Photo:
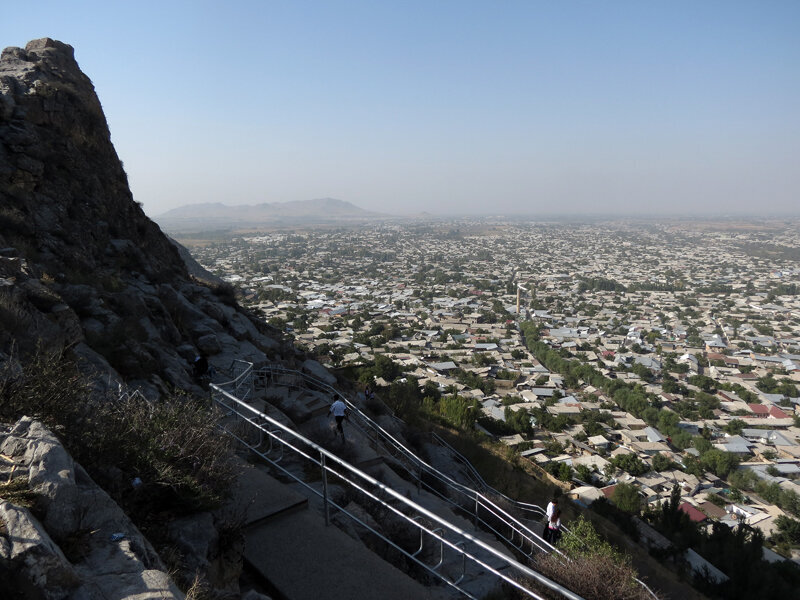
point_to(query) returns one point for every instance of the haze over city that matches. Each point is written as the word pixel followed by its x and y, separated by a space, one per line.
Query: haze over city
pixel 446 107
pixel 580 393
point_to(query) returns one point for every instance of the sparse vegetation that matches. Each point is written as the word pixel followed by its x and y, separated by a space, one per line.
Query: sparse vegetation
pixel 171 445
pixel 17 492
pixel 594 569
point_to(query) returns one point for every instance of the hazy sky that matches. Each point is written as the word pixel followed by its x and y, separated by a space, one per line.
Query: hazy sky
pixel 445 106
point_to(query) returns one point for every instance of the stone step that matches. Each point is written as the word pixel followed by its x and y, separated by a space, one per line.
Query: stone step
pixel 317 406
pixel 300 405
pixel 260 496
pixel 369 464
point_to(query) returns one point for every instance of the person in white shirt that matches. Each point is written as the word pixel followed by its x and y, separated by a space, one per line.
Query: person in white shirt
pixel 552 532
pixel 339 411
pixel 551 507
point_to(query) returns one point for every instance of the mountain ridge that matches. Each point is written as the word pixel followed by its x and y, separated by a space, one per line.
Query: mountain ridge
pixel 216 215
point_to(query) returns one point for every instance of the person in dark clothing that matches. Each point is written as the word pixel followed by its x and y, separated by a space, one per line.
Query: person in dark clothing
pixel 200 366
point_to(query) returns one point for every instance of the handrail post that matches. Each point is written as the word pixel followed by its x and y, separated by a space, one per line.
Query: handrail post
pixel 477 507
pixel 325 489
pixel 462 544
pixel 362 482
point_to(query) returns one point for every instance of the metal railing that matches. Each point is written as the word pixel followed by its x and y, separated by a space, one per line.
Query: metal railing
pixel 481 509
pixel 449 538
pixel 484 511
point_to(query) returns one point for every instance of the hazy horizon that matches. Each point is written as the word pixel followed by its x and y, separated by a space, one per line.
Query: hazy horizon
pixel 622 108
pixel 793 213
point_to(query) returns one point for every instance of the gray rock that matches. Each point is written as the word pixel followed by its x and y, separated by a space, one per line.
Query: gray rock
pixel 33 556
pixel 13 446
pixel 116 561
pixel 92 327
pixel 318 371
pixel 254 595
pixel 243 328
pixel 195 536
pixel 209 344
pixel 143 584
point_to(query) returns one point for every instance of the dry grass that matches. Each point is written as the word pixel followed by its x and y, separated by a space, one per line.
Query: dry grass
pixel 199 589
pixel 592 577
pixel 18 493
pixel 173 445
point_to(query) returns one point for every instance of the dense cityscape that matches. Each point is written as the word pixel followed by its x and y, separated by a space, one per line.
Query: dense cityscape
pixel 424 300
pixel 620 358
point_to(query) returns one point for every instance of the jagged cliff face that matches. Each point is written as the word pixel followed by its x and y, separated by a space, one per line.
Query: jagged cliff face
pixel 84 271
pixel 81 266
pixel 65 196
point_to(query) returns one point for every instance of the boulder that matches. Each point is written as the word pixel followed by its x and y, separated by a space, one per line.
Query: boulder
pixel 318 371
pixel 30 558
pixel 208 344
pixel 109 557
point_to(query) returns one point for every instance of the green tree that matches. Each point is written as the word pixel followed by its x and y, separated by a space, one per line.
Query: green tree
pixel 431 390
pixel 789 528
pixel 564 472
pixel 386 368
pixel 630 463
pixel 668 422
pixel 719 462
pixel 661 462
pixel 584 473
pixel 682 440
pixel 626 497
pixel 702 445
pixel 459 411
pixel 735 426
pixel 518 420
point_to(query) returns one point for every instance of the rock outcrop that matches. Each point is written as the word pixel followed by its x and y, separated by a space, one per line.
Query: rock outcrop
pixel 81 266
pixel 84 272
pixel 79 544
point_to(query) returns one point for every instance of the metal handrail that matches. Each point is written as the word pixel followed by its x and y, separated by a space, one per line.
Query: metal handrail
pixel 419 466
pixel 371 488
pixel 470 498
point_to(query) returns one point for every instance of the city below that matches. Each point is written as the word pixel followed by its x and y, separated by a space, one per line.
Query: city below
pixel 609 354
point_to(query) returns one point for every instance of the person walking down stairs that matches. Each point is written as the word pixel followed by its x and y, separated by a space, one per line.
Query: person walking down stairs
pixel 552 532
pixel 339 412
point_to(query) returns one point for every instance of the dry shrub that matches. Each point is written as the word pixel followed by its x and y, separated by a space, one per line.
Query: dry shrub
pixel 173 445
pixel 593 568
pixel 43 385
pixel 16 491
pixel 592 577
pixel 199 589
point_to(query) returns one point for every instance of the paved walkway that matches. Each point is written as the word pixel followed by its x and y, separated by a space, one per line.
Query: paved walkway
pixel 303 559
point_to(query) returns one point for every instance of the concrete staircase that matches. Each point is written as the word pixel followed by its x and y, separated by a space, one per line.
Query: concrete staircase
pixel 290 546
pixel 300 404
pixel 301 559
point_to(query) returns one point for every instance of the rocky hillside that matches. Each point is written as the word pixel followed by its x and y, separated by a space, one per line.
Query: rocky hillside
pixel 82 267
pixel 94 292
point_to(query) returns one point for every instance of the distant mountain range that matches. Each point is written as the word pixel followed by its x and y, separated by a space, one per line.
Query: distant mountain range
pixel 216 216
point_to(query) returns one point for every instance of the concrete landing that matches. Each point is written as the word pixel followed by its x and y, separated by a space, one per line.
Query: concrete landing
pixel 259 496
pixel 305 560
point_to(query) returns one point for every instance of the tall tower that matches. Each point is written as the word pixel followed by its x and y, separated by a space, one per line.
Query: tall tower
pixel 519 289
